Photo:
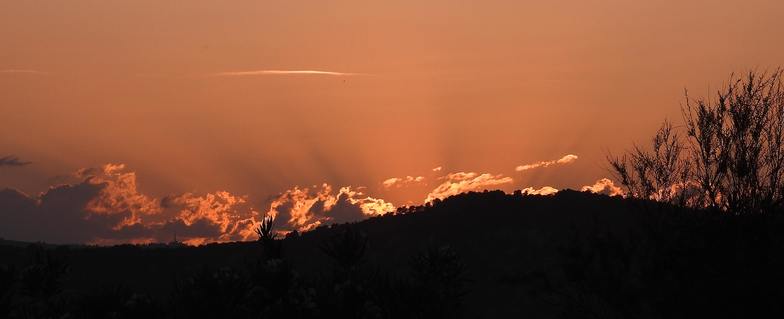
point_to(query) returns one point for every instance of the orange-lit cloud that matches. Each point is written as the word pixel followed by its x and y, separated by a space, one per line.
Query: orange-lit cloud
pixel 546 190
pixel 566 159
pixel 118 195
pixel 461 182
pixel 603 186
pixel 370 206
pixel 309 207
pixel 688 193
pixel 227 214
pixel 284 72
pixel 402 181
pixel 437 169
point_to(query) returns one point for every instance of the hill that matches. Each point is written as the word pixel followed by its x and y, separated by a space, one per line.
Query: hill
pixel 485 255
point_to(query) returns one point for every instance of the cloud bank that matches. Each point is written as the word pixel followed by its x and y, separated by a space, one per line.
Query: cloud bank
pixel 105 207
pixel 566 159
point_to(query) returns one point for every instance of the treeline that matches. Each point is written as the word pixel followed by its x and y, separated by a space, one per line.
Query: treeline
pixel 570 255
pixel 268 286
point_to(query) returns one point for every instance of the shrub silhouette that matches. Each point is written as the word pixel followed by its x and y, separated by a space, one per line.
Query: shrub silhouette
pixel 42 279
pixel 268 238
pixel 34 291
pixel 116 302
pixel 210 293
pixel 347 250
pixel 733 156
pixel 653 174
pixel 439 276
pixel 7 289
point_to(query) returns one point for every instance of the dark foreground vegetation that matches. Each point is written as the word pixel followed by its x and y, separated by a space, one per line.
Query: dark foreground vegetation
pixel 490 254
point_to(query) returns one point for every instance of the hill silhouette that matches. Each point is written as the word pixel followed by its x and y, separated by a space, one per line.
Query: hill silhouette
pixel 488 255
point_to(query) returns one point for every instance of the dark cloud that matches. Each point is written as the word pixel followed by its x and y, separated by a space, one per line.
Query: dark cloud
pixel 199 228
pixel 12 161
pixel 106 208
pixel 58 215
pixel 344 210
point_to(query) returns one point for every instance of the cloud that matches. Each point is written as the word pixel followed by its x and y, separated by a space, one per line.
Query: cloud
pixel 603 186
pixel 688 193
pixel 402 181
pixel 12 161
pixel 22 71
pixel 566 159
pixel 437 169
pixel 309 207
pixel 219 216
pixel 283 72
pixel 461 182
pixel 546 190
pixel 105 207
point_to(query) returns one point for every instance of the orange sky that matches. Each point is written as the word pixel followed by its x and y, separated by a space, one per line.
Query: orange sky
pixel 471 86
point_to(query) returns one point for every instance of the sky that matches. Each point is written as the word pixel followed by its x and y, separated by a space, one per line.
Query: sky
pixel 133 120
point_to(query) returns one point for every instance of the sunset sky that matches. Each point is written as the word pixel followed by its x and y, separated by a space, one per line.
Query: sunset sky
pixel 132 120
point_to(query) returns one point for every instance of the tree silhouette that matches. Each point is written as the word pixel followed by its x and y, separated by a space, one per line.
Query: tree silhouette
pixel 347 250
pixel 733 157
pixel 7 288
pixel 268 238
pixel 439 277
pixel 657 174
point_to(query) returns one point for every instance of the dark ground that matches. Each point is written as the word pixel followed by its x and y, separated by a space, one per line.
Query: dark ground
pixel 487 255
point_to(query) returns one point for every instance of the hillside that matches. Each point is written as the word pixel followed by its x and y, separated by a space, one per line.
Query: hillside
pixel 571 254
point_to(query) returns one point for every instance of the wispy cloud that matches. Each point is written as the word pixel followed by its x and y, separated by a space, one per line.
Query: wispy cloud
pixel 461 182
pixel 22 71
pixel 284 72
pixel 12 161
pixel 566 159
pixel 402 181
